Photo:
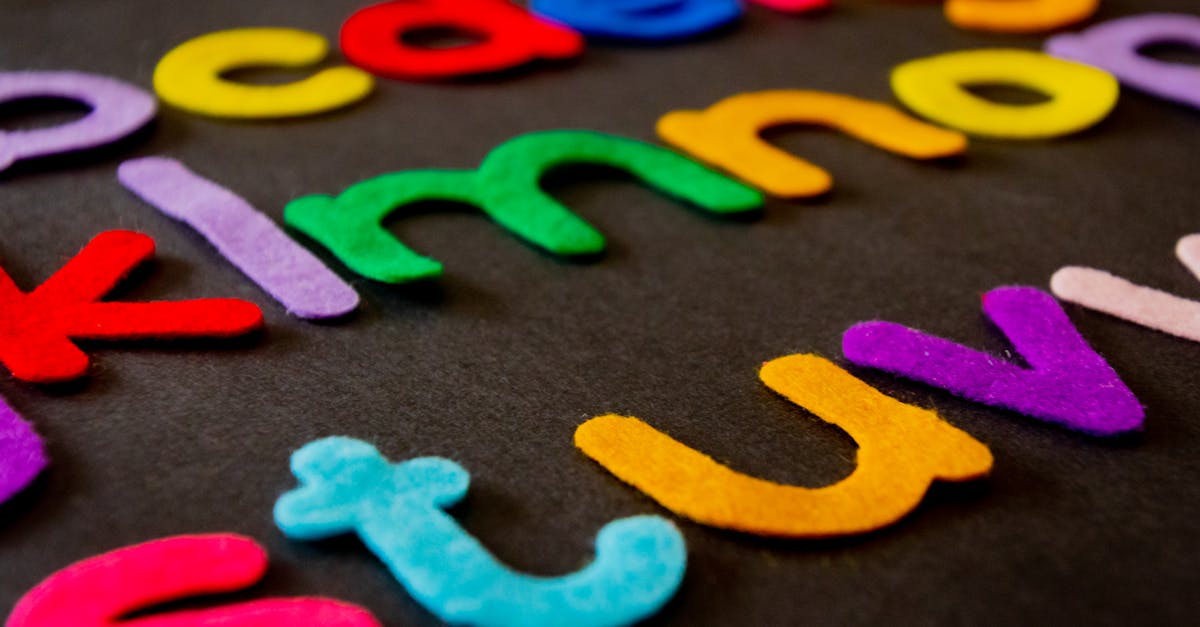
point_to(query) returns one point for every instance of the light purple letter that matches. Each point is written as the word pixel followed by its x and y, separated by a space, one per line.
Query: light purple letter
pixel 118 109
pixel 1114 45
pixel 246 237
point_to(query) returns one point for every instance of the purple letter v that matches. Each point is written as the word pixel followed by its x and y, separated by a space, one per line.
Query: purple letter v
pixel 1067 382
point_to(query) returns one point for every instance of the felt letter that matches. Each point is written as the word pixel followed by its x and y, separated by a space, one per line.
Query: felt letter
pixel 1067 382
pixel 99 591
pixel 347 486
pixel 1080 95
pixel 118 109
pixel 794 6
pixel 37 327
pixel 22 454
pixel 247 238
pixel 1114 45
pixel 902 450
pixel 727 136
pixel 189 77
pixel 506 188
pixel 645 20
pixel 510 37
pixel 1099 290
pixel 1018 16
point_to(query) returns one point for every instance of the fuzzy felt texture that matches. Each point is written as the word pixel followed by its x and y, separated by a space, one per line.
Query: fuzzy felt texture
pixel 22 454
pixel 36 328
pixel 794 6
pixel 641 20
pixel 509 37
pixel 1067 382
pixel 189 77
pixel 902 450
pixel 118 109
pixel 243 235
pixel 1187 250
pixel 506 187
pixel 727 135
pixel 1113 46
pixel 347 486
pixel 1080 95
pixel 1115 296
pixel 1018 16
pixel 99 591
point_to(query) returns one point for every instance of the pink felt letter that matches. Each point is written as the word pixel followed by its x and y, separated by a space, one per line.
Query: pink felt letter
pixel 98 591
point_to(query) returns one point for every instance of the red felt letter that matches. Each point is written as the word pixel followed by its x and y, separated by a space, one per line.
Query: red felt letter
pixel 509 36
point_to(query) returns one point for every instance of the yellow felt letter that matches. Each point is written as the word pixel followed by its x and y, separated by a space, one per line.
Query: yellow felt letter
pixel 1018 16
pixel 727 135
pixel 189 77
pixel 902 449
pixel 1080 95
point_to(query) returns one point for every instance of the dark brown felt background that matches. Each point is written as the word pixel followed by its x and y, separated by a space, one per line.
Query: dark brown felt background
pixel 496 364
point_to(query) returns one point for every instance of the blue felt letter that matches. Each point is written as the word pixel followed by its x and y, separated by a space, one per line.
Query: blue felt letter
pixel 346 485
pixel 647 20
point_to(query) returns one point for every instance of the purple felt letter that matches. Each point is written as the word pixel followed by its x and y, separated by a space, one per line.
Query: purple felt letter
pixel 1067 383
pixel 118 109
pixel 1113 46
pixel 246 237
pixel 22 456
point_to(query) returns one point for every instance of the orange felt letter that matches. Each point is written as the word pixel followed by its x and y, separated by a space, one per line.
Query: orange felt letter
pixel 727 135
pixel 1018 16
pixel 902 449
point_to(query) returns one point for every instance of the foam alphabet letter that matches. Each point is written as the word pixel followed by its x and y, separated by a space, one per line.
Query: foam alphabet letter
pixel 247 238
pixel 37 327
pixel 1114 46
pixel 1018 16
pixel 118 109
pixel 645 20
pixel 506 188
pixel 901 451
pixel 189 77
pixel 22 454
pixel 1099 290
pixel 347 486
pixel 100 591
pixel 727 135
pixel 1067 382
pixel 509 37
pixel 1080 95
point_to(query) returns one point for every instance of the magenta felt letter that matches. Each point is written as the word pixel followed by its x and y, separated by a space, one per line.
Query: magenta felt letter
pixel 1067 382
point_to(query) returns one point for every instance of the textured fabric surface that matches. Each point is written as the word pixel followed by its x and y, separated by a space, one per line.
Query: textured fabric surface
pixel 116 109
pixel 37 328
pixel 247 238
pixel 727 135
pixel 935 88
pixel 503 37
pixel 101 590
pixel 22 453
pixel 1066 381
pixel 641 20
pixel 348 486
pixel 498 362
pixel 1115 46
pixel 190 76
pixel 1019 16
pixel 507 188
pixel 901 450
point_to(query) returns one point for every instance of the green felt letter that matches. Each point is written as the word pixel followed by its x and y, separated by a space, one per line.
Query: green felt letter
pixel 506 187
